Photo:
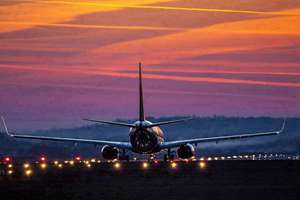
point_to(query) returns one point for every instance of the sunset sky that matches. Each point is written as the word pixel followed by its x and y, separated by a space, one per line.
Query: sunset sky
pixel 61 61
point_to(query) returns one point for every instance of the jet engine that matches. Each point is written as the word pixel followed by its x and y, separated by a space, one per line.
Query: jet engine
pixel 186 151
pixel 109 152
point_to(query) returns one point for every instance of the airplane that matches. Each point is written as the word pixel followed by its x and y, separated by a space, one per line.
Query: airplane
pixel 145 137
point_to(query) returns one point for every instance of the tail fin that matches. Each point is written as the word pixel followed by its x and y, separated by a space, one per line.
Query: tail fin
pixel 141 114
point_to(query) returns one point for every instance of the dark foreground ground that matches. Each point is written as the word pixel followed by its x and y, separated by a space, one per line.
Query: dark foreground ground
pixel 218 180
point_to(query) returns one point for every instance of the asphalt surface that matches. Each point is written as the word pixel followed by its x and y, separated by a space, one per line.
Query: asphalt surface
pixel 213 180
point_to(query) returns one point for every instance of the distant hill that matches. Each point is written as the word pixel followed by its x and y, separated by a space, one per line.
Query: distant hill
pixel 288 142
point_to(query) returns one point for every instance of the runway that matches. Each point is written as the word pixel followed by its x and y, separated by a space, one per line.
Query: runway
pixel 215 179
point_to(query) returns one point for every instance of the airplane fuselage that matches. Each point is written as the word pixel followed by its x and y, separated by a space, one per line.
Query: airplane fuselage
pixel 145 139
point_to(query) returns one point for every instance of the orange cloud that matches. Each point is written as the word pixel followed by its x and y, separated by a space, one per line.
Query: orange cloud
pixel 238 36
pixel 147 28
pixel 123 4
pixel 39 12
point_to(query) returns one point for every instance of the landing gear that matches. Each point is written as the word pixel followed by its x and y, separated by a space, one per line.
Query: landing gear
pixel 169 156
pixel 123 156
pixel 151 158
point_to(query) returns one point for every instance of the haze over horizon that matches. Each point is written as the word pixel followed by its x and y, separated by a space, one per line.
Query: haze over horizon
pixel 61 61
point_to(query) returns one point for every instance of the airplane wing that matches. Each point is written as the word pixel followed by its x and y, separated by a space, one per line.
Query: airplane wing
pixel 121 145
pixel 177 143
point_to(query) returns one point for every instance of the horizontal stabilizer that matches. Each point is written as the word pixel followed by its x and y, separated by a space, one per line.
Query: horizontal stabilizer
pixel 110 122
pixel 170 122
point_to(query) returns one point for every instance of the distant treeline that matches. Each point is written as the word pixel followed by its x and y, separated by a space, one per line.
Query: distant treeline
pixel 288 142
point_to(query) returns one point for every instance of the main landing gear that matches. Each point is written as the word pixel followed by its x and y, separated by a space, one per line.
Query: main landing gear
pixel 169 156
pixel 123 156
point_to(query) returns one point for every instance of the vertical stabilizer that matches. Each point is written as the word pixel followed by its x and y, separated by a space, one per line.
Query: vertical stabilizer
pixel 142 114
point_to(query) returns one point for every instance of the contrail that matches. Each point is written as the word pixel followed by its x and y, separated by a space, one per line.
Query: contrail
pixel 118 5
pixel 93 26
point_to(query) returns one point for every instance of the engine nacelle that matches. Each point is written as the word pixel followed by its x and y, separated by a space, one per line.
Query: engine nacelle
pixel 186 151
pixel 109 153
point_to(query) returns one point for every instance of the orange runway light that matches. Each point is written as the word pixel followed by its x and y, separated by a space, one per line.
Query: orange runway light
pixel 10 172
pixel 145 165
pixel 173 165
pixel 26 165
pixel 202 165
pixel 28 172
pixel 117 165
pixel 43 166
